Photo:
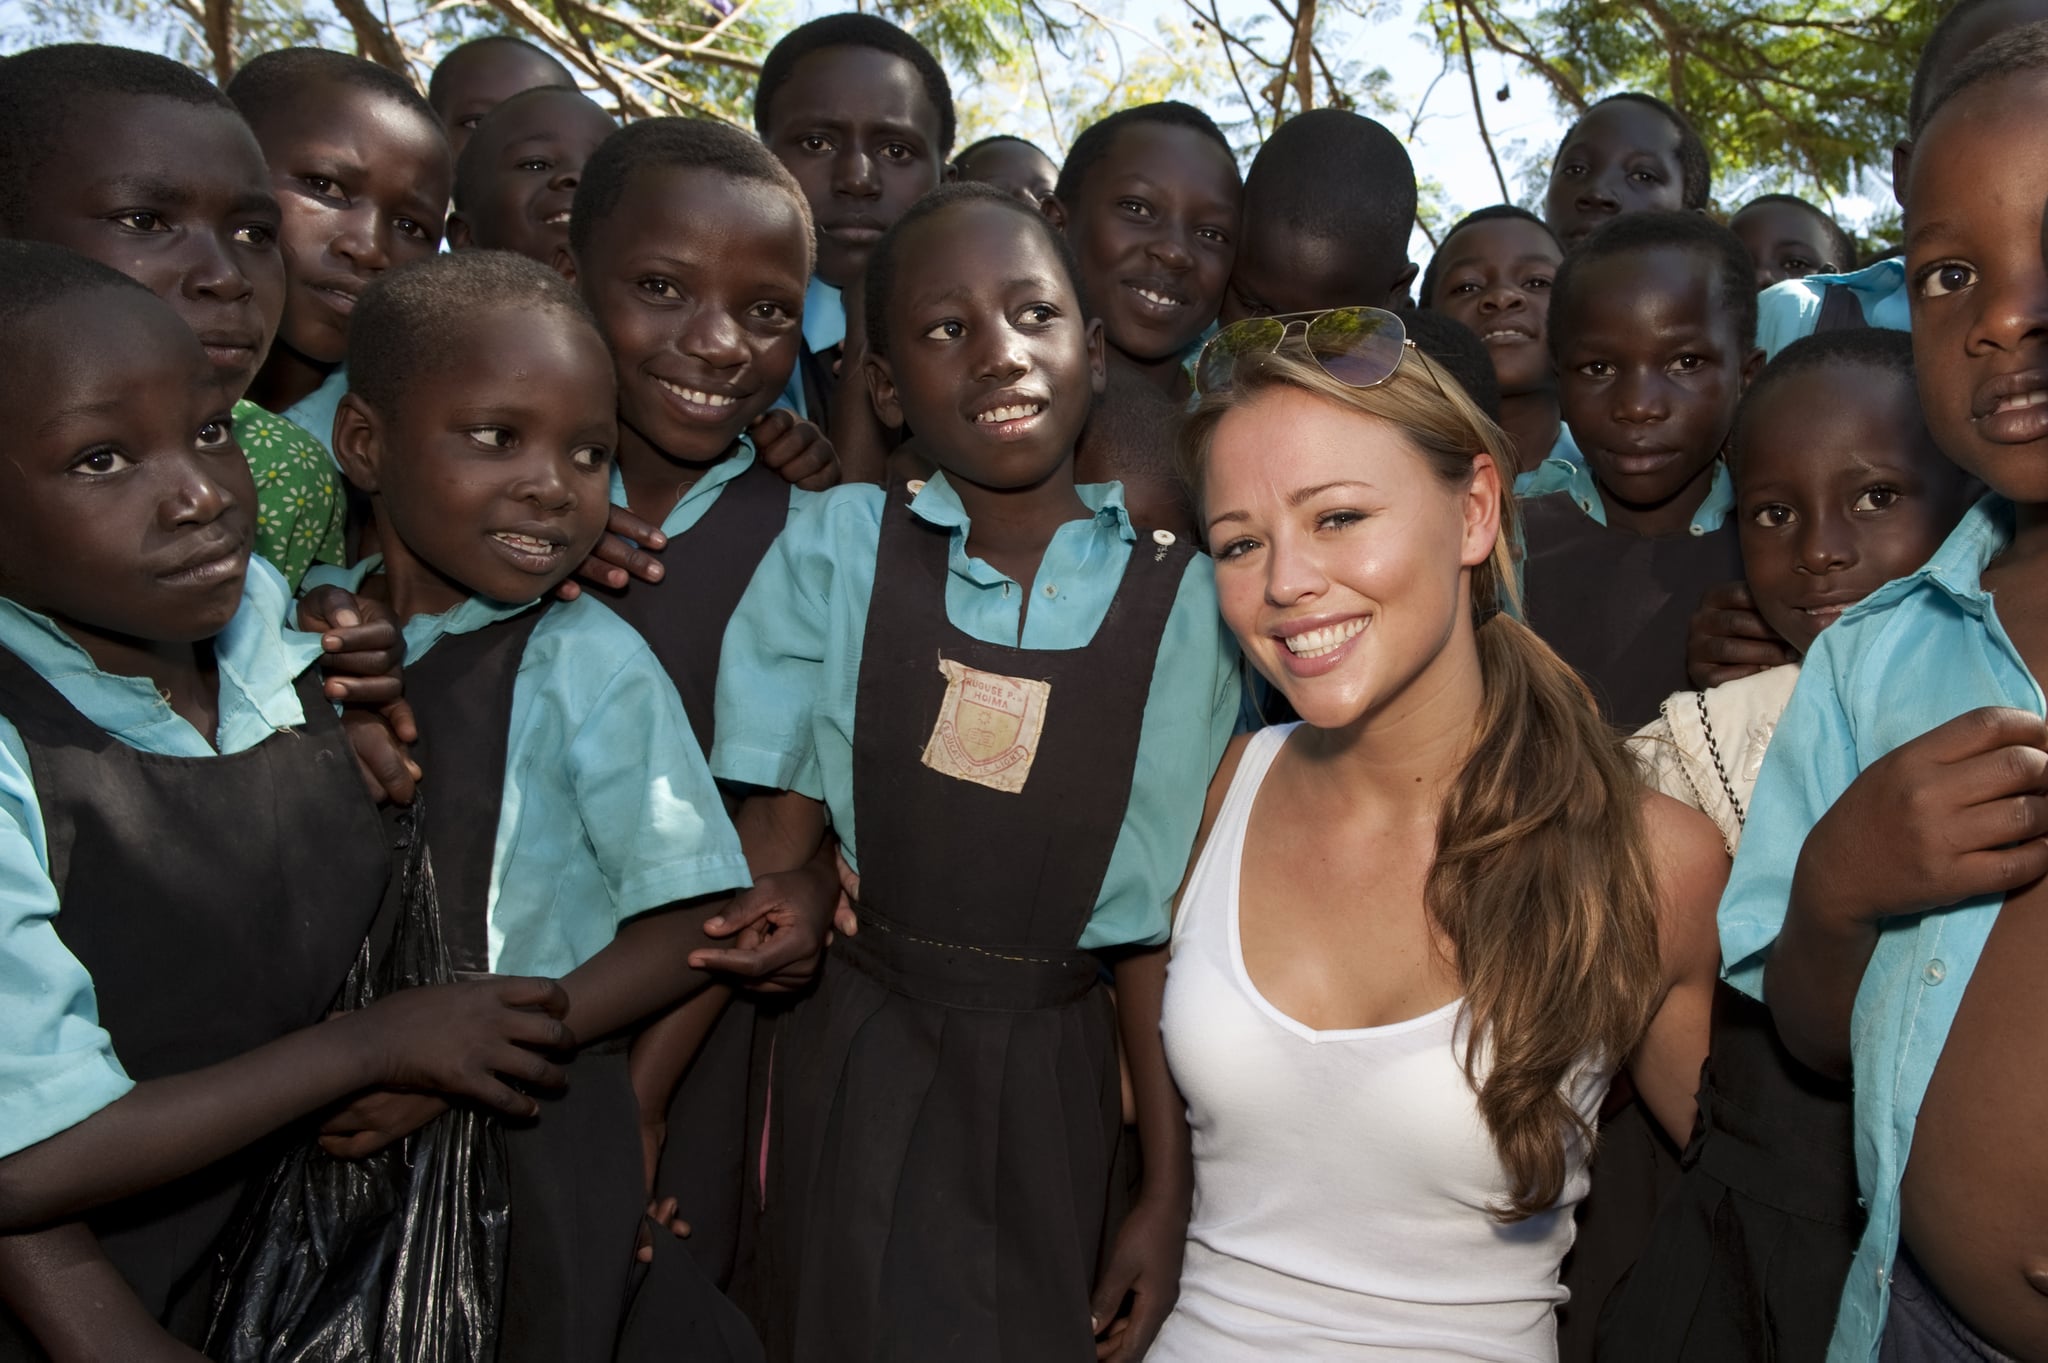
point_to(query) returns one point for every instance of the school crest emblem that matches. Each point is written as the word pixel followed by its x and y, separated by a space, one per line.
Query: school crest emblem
pixel 989 727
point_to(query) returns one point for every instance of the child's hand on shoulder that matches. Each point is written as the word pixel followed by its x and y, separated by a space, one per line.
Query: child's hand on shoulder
pixel 796 449
pixel 465 1040
pixel 362 660
pixel 1727 639
pixel 1956 813
pixel 620 556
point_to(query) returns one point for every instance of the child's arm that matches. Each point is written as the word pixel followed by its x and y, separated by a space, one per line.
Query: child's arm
pixel 1145 1261
pixel 455 1038
pixel 1954 814
pixel 76 1304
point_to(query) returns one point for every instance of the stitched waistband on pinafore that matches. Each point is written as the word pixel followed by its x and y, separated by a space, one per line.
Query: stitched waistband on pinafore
pixel 956 975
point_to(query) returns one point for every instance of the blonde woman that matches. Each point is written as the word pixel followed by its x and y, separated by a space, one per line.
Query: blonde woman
pixel 1427 924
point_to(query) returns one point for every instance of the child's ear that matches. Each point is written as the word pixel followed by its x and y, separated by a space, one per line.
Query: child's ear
pixel 1482 510
pixel 882 391
pixel 459 236
pixel 1098 356
pixel 1055 211
pixel 564 261
pixel 1404 283
pixel 951 175
pixel 358 442
pixel 1902 160
pixel 1752 366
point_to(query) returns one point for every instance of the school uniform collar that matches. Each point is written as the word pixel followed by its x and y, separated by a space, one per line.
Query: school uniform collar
pixel 687 511
pixel 824 317
pixel 934 502
pixel 1577 481
pixel 422 632
pixel 1957 568
pixel 258 656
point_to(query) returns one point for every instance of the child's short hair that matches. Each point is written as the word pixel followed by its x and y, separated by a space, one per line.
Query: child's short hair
pixel 42 88
pixel 445 69
pixel 2022 49
pixel 854 30
pixel 1840 243
pixel 470 169
pixel 34 275
pixel 1634 232
pixel 1695 168
pixel 881 275
pixel 680 143
pixel 408 322
pixel 1878 348
pixel 1460 353
pixel 1497 212
pixel 1932 56
pixel 1337 176
pixel 271 81
pixel 1098 137
pixel 981 144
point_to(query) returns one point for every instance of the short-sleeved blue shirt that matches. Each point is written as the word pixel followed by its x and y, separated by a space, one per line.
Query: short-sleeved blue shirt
pixel 57 1065
pixel 1912 655
pixel 1555 472
pixel 608 808
pixel 1787 311
pixel 791 666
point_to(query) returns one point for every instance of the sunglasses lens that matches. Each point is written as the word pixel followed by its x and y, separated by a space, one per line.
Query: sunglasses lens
pixel 1252 336
pixel 1357 346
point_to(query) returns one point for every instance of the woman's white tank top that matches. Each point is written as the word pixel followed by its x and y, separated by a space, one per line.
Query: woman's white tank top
pixel 1342 1178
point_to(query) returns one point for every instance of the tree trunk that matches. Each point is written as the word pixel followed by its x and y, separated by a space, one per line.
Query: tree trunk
pixel 220 39
pixel 374 41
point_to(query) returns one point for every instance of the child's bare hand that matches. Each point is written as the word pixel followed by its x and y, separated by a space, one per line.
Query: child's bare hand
pixel 783 925
pixel 845 918
pixel 1727 639
pixel 362 646
pixel 1144 1264
pixel 795 448
pixel 620 555
pixel 1956 813
pixel 458 1039
pixel 376 1119
pixel 384 763
pixel 660 1213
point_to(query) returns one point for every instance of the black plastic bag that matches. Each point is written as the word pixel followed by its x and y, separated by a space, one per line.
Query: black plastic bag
pixel 396 1258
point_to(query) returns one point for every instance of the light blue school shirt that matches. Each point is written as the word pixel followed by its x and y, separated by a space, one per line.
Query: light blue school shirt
pixel 824 327
pixel 703 493
pixel 1561 475
pixel 1554 474
pixel 790 670
pixel 57 1065
pixel 1787 311
pixel 1914 654
pixel 608 808
pixel 314 413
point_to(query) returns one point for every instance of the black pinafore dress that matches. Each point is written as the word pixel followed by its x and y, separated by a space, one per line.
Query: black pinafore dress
pixel 683 619
pixel 947 1104
pixel 573 1291
pixel 218 903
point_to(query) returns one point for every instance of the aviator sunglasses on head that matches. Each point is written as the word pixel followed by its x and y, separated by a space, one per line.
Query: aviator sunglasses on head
pixel 1359 347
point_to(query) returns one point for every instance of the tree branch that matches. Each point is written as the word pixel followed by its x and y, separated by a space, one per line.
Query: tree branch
pixel 374 41
pixel 1478 108
pixel 1566 88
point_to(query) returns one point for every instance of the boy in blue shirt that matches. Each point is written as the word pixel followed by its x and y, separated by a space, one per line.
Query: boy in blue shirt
pixel 1886 901
pixel 180 825
pixel 862 114
pixel 481 418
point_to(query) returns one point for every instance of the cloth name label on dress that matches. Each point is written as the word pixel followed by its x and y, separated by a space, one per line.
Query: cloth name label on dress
pixel 989 727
